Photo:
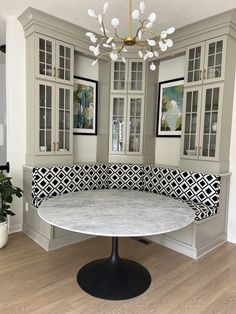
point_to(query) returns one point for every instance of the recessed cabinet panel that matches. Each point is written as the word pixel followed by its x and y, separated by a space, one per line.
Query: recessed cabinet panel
pixel 194 64
pixel 64 62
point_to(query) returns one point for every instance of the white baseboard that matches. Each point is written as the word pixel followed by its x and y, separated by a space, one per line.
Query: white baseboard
pixel 15 228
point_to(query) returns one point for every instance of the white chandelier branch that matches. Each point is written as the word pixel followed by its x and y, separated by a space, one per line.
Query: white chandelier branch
pixel 104 30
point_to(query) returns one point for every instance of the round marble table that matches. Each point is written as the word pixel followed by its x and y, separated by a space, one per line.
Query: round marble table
pixel 115 213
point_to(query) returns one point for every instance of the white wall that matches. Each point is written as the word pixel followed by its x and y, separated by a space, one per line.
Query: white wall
pixel 232 195
pixel 85 146
pixel 167 150
pixel 16 110
pixel 2 108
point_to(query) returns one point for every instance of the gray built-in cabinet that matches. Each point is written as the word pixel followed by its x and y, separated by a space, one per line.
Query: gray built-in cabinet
pixel 207 110
pixel 50 101
pixel 128 109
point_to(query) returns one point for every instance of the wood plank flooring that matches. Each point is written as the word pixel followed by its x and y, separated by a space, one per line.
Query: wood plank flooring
pixel 37 282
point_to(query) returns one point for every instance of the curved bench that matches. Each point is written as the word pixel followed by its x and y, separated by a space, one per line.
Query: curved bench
pixel 199 190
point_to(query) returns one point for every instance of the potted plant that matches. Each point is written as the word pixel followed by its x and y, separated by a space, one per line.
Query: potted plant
pixel 7 191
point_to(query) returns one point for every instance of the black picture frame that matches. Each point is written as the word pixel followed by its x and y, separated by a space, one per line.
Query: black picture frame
pixel 169 118
pixel 85 115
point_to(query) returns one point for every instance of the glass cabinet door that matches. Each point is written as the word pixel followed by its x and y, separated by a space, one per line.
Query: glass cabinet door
pixel 119 76
pixel 118 122
pixel 191 122
pixel 64 62
pixel 64 119
pixel 215 59
pixel 212 98
pixel 136 76
pixel 45 57
pixel 135 121
pixel 194 64
pixel 45 118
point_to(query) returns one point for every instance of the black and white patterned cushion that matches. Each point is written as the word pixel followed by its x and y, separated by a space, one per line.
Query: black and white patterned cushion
pixel 200 190
pixel 125 176
pixel 202 211
pixel 52 181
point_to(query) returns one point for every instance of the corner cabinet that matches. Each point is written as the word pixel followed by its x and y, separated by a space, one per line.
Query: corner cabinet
pixel 127 111
pixel 207 111
pixel 49 101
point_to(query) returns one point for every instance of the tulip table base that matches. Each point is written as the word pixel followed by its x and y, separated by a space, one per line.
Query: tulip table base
pixel 114 278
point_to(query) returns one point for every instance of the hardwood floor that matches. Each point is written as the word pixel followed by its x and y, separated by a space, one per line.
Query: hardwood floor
pixel 37 282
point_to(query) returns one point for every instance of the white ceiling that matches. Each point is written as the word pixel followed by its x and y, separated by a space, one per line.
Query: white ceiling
pixel 169 12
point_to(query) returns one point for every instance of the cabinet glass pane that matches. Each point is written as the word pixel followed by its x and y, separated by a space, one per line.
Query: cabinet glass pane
pixel 45 118
pixel 64 119
pixel 194 71
pixel 135 124
pixel 64 70
pixel 136 76
pixel 119 76
pixel 190 126
pixel 45 57
pixel 214 60
pixel 118 130
pixel 210 122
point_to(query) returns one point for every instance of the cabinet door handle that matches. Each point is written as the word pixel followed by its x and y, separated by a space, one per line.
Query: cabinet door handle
pixel 195 148
pixel 58 73
pixel 204 76
pixel 54 71
pixel 200 75
pixel 57 146
pixel 54 146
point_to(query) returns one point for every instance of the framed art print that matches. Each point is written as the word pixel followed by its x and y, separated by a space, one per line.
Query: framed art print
pixel 170 108
pixel 85 106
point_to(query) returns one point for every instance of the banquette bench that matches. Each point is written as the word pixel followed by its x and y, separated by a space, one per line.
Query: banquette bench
pixel 201 191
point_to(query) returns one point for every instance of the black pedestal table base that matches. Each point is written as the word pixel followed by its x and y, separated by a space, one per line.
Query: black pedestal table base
pixel 114 278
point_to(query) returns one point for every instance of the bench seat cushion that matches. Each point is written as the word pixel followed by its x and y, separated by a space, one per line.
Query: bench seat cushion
pixel 202 211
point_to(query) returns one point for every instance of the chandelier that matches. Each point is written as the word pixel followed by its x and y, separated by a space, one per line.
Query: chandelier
pixel 148 42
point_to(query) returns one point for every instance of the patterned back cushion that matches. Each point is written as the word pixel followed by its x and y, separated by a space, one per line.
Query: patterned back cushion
pixel 52 181
pixel 125 176
pixel 197 187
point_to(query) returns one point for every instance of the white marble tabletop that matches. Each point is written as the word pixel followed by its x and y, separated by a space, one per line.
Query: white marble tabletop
pixel 116 213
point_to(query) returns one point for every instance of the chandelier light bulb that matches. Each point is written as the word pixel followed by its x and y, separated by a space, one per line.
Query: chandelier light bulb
pixel 152 17
pixel 115 22
pixel 91 13
pixel 105 7
pixel 170 30
pixel 149 42
pixel 135 14
pixel 152 67
pixel 142 7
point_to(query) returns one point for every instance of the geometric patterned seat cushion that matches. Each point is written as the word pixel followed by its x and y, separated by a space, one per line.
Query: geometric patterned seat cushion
pixel 202 211
pixel 52 181
pixel 200 188
pixel 125 176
